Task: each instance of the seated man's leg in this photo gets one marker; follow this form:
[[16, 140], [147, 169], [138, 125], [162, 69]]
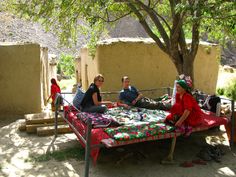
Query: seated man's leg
[[98, 109], [150, 104]]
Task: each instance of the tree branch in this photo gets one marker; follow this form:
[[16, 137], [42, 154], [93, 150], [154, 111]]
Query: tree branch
[[163, 19], [108, 20], [147, 28], [156, 21], [195, 28], [182, 42], [154, 5]]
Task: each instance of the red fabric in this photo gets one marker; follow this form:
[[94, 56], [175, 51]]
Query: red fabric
[[209, 120], [97, 135], [54, 90], [189, 103]]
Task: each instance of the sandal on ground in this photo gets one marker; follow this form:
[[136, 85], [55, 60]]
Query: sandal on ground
[[216, 154], [187, 164], [167, 161], [199, 162]]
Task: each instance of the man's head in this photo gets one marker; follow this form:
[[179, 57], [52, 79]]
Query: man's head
[[125, 81]]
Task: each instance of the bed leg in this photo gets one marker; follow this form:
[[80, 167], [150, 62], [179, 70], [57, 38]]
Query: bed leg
[[168, 91], [232, 125], [56, 120], [169, 159], [87, 147]]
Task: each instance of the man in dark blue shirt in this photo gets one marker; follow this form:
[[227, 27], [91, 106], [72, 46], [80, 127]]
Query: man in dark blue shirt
[[131, 96]]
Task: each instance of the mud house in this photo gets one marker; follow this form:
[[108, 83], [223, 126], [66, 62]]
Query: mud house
[[146, 65], [24, 78], [78, 69]]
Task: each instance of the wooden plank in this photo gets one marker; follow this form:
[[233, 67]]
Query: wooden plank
[[49, 130], [33, 127], [42, 121], [41, 118], [39, 115], [22, 126]]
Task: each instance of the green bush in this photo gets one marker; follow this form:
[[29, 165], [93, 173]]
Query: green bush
[[66, 65], [220, 91], [229, 91]]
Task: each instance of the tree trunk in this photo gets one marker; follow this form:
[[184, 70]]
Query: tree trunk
[[188, 69], [184, 66]]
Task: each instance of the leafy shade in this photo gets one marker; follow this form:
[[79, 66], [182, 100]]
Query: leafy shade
[[168, 22]]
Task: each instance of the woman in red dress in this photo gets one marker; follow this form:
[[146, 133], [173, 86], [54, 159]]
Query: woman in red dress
[[186, 110], [54, 90]]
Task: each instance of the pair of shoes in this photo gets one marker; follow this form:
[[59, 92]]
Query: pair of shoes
[[205, 155], [211, 153], [187, 164], [217, 153], [199, 162]]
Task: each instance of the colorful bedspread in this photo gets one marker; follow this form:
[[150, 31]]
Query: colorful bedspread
[[135, 116], [137, 124], [130, 132], [97, 119], [128, 124], [121, 116]]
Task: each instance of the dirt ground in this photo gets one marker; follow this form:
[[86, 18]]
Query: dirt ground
[[143, 160]]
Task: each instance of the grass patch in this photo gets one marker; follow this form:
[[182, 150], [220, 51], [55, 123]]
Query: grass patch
[[61, 155]]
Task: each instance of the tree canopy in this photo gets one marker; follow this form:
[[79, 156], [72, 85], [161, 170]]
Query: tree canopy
[[168, 22]]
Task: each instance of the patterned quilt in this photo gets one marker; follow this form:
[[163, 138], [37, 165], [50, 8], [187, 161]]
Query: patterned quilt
[[121, 116], [129, 132], [135, 115], [128, 124]]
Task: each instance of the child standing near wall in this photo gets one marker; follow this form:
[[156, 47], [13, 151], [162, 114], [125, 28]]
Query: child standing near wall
[[54, 90]]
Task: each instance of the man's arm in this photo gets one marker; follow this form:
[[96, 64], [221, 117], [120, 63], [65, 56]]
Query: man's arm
[[140, 95], [120, 103]]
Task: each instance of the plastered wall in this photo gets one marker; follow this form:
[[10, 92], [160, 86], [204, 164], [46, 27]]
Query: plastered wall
[[20, 88], [146, 65], [89, 67]]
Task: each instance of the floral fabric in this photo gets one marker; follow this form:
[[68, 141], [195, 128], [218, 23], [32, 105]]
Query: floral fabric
[[129, 132], [128, 124], [97, 118], [122, 116], [135, 116]]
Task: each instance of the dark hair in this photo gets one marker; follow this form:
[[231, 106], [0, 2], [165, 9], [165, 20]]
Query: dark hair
[[53, 81], [124, 78], [97, 77]]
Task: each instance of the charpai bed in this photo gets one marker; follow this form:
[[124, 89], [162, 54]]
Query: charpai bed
[[119, 127]]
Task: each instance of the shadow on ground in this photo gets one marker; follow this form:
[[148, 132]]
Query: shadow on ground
[[135, 160]]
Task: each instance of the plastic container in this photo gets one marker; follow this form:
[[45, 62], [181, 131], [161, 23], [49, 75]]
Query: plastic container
[[174, 94]]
